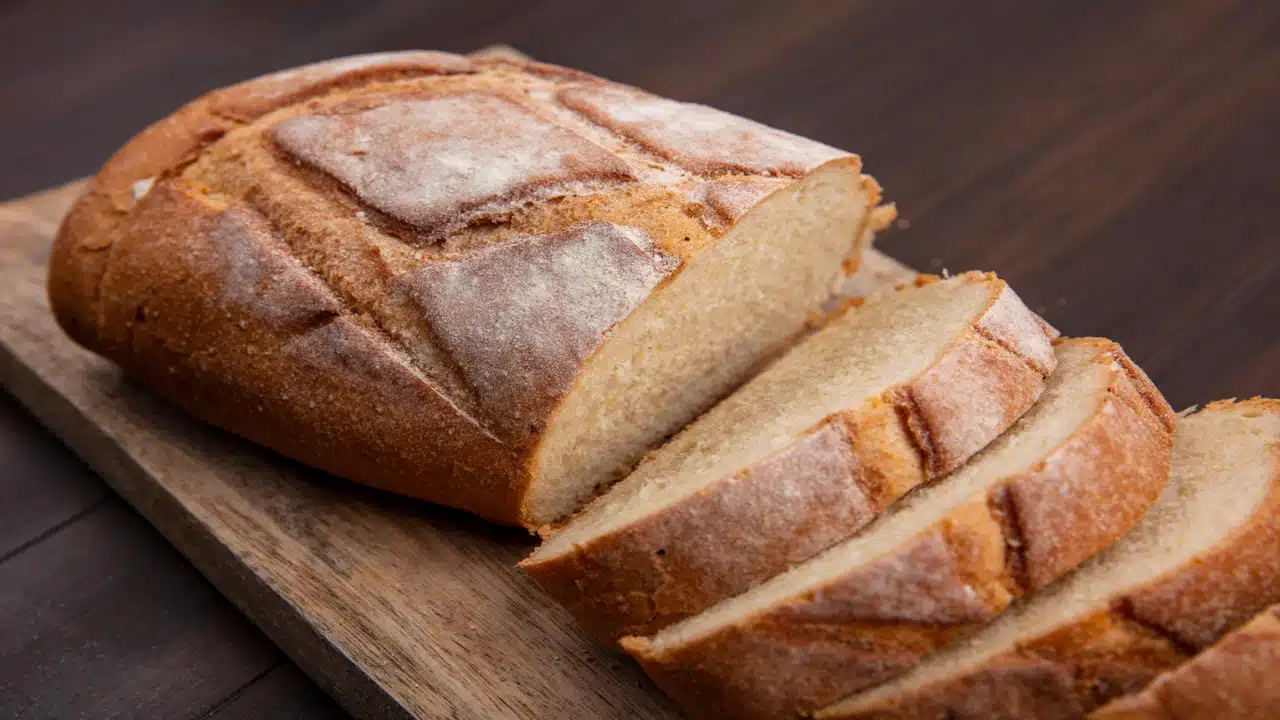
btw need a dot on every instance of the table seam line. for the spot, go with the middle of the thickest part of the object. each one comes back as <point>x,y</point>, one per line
<point>55,529</point>
<point>224,702</point>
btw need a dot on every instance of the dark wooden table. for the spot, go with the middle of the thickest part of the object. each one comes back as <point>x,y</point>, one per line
<point>1119,163</point>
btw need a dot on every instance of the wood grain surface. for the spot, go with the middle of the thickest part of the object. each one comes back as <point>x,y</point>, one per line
<point>1117,162</point>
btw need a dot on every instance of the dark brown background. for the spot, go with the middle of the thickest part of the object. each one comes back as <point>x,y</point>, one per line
<point>1117,162</point>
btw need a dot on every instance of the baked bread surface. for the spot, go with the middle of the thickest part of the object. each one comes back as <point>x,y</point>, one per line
<point>404,268</point>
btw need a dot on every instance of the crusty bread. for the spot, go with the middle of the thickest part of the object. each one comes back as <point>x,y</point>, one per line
<point>1200,562</point>
<point>1237,677</point>
<point>486,282</point>
<point>1071,476</point>
<point>886,396</point>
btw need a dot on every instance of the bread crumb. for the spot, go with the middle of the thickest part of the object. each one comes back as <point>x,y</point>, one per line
<point>142,187</point>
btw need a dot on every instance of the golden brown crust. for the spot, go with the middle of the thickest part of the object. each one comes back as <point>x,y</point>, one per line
<point>225,153</point>
<point>1132,438</point>
<point>82,247</point>
<point>679,560</point>
<point>1114,650</point>
<point>1102,655</point>
<point>205,305</point>
<point>879,619</point>
<point>1235,678</point>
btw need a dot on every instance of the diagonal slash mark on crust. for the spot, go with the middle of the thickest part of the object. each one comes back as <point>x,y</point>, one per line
<point>1005,346</point>
<point>1004,510</point>
<point>913,421</point>
<point>907,410</point>
<point>394,349</point>
<point>254,198</point>
<point>456,381</point>
<point>1125,610</point>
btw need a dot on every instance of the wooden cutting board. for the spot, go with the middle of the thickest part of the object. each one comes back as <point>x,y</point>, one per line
<point>396,608</point>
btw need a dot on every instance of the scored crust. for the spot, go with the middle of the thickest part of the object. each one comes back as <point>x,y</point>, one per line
<point>1235,678</point>
<point>838,476</point>
<point>879,618</point>
<point>353,190</point>
<point>1119,646</point>
<point>168,325</point>
<point>81,250</point>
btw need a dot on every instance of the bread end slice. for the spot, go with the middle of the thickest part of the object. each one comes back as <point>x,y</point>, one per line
<point>1094,635</point>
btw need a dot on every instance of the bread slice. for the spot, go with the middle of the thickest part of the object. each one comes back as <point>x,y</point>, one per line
<point>890,394</point>
<point>485,282</point>
<point>1064,482</point>
<point>1201,562</point>
<point>1237,677</point>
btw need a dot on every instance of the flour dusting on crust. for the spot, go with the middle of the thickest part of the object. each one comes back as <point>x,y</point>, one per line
<point>439,163</point>
<point>701,139</point>
<point>520,316</point>
<point>260,278</point>
<point>724,201</point>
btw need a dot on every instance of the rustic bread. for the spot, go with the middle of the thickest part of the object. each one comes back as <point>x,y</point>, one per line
<point>1200,562</point>
<point>1237,677</point>
<point>887,395</point>
<point>486,282</point>
<point>1070,477</point>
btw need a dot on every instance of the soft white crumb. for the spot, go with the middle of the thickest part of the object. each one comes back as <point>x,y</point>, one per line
<point>142,187</point>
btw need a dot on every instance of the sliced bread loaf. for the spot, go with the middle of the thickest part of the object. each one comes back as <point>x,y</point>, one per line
<point>1238,677</point>
<point>489,283</point>
<point>1068,479</point>
<point>1201,562</point>
<point>889,394</point>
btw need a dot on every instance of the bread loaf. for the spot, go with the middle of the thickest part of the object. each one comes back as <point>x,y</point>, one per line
<point>890,394</point>
<point>1237,677</point>
<point>1201,562</point>
<point>485,282</point>
<point>1071,476</point>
